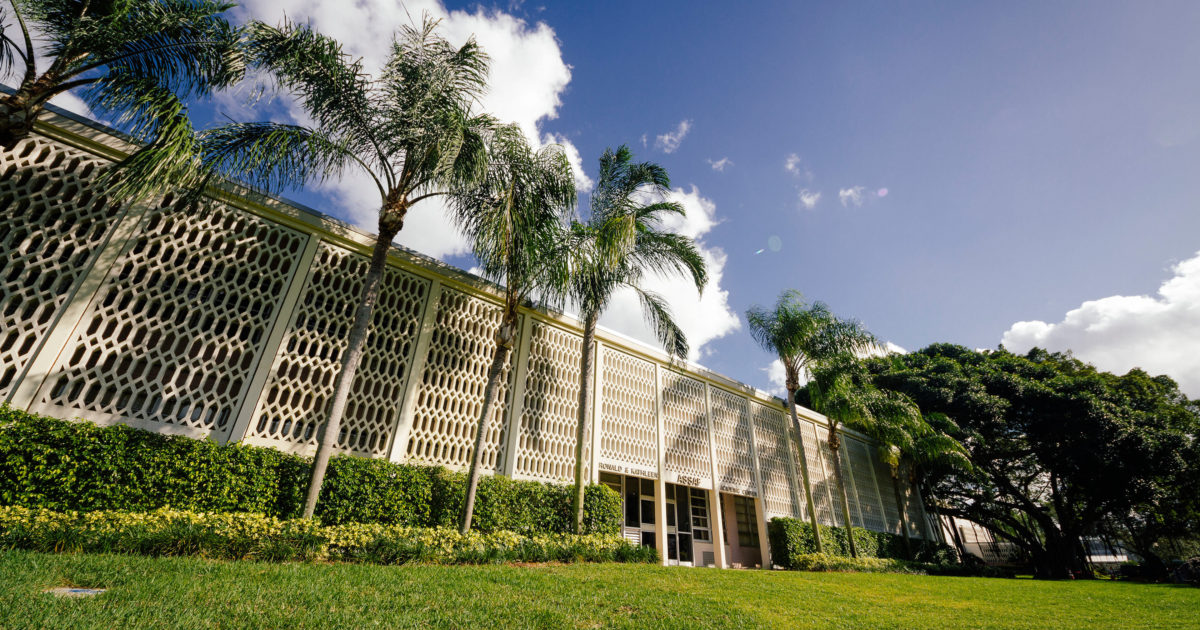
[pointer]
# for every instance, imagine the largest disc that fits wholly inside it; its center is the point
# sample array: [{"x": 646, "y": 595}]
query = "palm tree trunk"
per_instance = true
[
  {"x": 812, "y": 511},
  {"x": 903, "y": 517},
  {"x": 835, "y": 449},
  {"x": 350, "y": 360},
  {"x": 504, "y": 344},
  {"x": 585, "y": 408},
  {"x": 19, "y": 110}
]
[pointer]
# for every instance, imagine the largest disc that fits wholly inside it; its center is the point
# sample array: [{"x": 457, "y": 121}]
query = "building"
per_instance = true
[{"x": 225, "y": 322}]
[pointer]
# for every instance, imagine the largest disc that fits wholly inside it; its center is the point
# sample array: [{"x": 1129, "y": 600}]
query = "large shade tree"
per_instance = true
[
  {"x": 411, "y": 131},
  {"x": 804, "y": 336},
  {"x": 515, "y": 219},
  {"x": 133, "y": 62},
  {"x": 1057, "y": 447},
  {"x": 623, "y": 241}
]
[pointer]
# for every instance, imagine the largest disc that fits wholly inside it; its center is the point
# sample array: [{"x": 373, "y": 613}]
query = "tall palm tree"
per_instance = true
[
  {"x": 620, "y": 243},
  {"x": 515, "y": 219},
  {"x": 134, "y": 62},
  {"x": 804, "y": 337},
  {"x": 411, "y": 131}
]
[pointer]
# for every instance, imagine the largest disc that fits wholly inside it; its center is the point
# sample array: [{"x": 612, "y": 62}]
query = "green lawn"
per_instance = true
[{"x": 195, "y": 593}]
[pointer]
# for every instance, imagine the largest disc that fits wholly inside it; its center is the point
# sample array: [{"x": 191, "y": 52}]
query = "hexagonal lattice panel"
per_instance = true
[
  {"x": 53, "y": 219},
  {"x": 771, "y": 439},
  {"x": 296, "y": 398},
  {"x": 820, "y": 483},
  {"x": 629, "y": 410},
  {"x": 685, "y": 426},
  {"x": 176, "y": 331},
  {"x": 546, "y": 447},
  {"x": 864, "y": 482},
  {"x": 731, "y": 434},
  {"x": 450, "y": 398}
]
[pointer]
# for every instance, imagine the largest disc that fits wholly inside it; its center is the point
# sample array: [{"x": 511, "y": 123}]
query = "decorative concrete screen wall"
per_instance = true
[{"x": 227, "y": 320}]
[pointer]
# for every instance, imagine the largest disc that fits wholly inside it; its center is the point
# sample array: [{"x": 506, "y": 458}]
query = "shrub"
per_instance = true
[
  {"x": 829, "y": 562},
  {"x": 67, "y": 466},
  {"x": 791, "y": 538},
  {"x": 1188, "y": 572},
  {"x": 234, "y": 536}
]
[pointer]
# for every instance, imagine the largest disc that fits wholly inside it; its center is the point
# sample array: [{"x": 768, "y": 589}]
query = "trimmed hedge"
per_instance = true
[
  {"x": 829, "y": 562},
  {"x": 69, "y": 466},
  {"x": 236, "y": 536},
  {"x": 792, "y": 539}
]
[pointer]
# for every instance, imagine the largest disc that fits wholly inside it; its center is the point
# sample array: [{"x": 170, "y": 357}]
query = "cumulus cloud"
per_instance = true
[
  {"x": 795, "y": 165},
  {"x": 1160, "y": 333},
  {"x": 719, "y": 165},
  {"x": 670, "y": 141},
  {"x": 703, "y": 318},
  {"x": 851, "y": 196},
  {"x": 809, "y": 199},
  {"x": 527, "y": 78},
  {"x": 777, "y": 377}
]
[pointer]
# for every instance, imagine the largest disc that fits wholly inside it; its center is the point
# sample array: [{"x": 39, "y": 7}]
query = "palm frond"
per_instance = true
[
  {"x": 658, "y": 316},
  {"x": 273, "y": 156}
]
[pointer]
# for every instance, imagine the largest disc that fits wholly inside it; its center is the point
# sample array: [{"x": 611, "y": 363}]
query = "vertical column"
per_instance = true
[
  {"x": 269, "y": 359},
  {"x": 660, "y": 484},
  {"x": 759, "y": 504},
  {"x": 597, "y": 410},
  {"x": 59, "y": 334},
  {"x": 851, "y": 484},
  {"x": 517, "y": 409},
  {"x": 716, "y": 515},
  {"x": 404, "y": 419}
]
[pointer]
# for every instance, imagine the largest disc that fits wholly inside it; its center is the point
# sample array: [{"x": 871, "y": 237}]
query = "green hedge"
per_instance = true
[
  {"x": 791, "y": 539},
  {"x": 236, "y": 536},
  {"x": 830, "y": 562},
  {"x": 68, "y": 466}
]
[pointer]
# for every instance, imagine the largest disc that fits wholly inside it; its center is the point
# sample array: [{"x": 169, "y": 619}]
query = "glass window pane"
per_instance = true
[
  {"x": 647, "y": 511},
  {"x": 647, "y": 487}
]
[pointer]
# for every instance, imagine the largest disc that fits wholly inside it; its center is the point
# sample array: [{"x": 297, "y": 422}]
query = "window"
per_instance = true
[
  {"x": 747, "y": 521},
  {"x": 700, "y": 527}
]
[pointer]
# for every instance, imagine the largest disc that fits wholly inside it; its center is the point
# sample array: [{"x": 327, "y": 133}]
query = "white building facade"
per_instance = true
[{"x": 226, "y": 322}]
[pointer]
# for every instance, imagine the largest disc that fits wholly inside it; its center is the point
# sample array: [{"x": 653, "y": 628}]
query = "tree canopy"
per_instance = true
[{"x": 1059, "y": 449}]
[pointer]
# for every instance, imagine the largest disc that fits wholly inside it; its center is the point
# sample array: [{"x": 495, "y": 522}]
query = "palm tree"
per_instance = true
[
  {"x": 935, "y": 451},
  {"x": 515, "y": 218},
  {"x": 619, "y": 244},
  {"x": 134, "y": 62},
  {"x": 410, "y": 131},
  {"x": 804, "y": 337}
]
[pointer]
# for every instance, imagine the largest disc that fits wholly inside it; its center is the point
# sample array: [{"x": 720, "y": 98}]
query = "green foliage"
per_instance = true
[
  {"x": 66, "y": 466},
  {"x": 1058, "y": 449},
  {"x": 790, "y": 538},
  {"x": 234, "y": 536},
  {"x": 830, "y": 562}
]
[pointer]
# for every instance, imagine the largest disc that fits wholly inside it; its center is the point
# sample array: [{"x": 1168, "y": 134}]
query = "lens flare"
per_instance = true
[
  {"x": 882, "y": 192},
  {"x": 774, "y": 243}
]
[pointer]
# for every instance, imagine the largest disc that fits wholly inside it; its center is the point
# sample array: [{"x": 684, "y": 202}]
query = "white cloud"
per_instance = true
[
  {"x": 669, "y": 142},
  {"x": 527, "y": 78},
  {"x": 719, "y": 165},
  {"x": 894, "y": 348},
  {"x": 703, "y": 318},
  {"x": 1160, "y": 334},
  {"x": 851, "y": 196},
  {"x": 73, "y": 104},
  {"x": 795, "y": 165},
  {"x": 643, "y": 141},
  {"x": 809, "y": 199},
  {"x": 777, "y": 376}
]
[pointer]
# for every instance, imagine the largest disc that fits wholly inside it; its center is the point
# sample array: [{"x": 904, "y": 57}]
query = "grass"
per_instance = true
[{"x": 198, "y": 593}]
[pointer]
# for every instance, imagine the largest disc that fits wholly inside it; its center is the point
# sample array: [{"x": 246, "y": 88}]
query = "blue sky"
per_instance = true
[{"x": 961, "y": 172}]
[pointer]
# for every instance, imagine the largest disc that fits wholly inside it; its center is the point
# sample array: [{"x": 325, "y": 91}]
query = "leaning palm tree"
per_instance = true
[
  {"x": 620, "y": 243},
  {"x": 410, "y": 131},
  {"x": 935, "y": 451},
  {"x": 515, "y": 219},
  {"x": 133, "y": 62},
  {"x": 842, "y": 390},
  {"x": 804, "y": 337}
]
